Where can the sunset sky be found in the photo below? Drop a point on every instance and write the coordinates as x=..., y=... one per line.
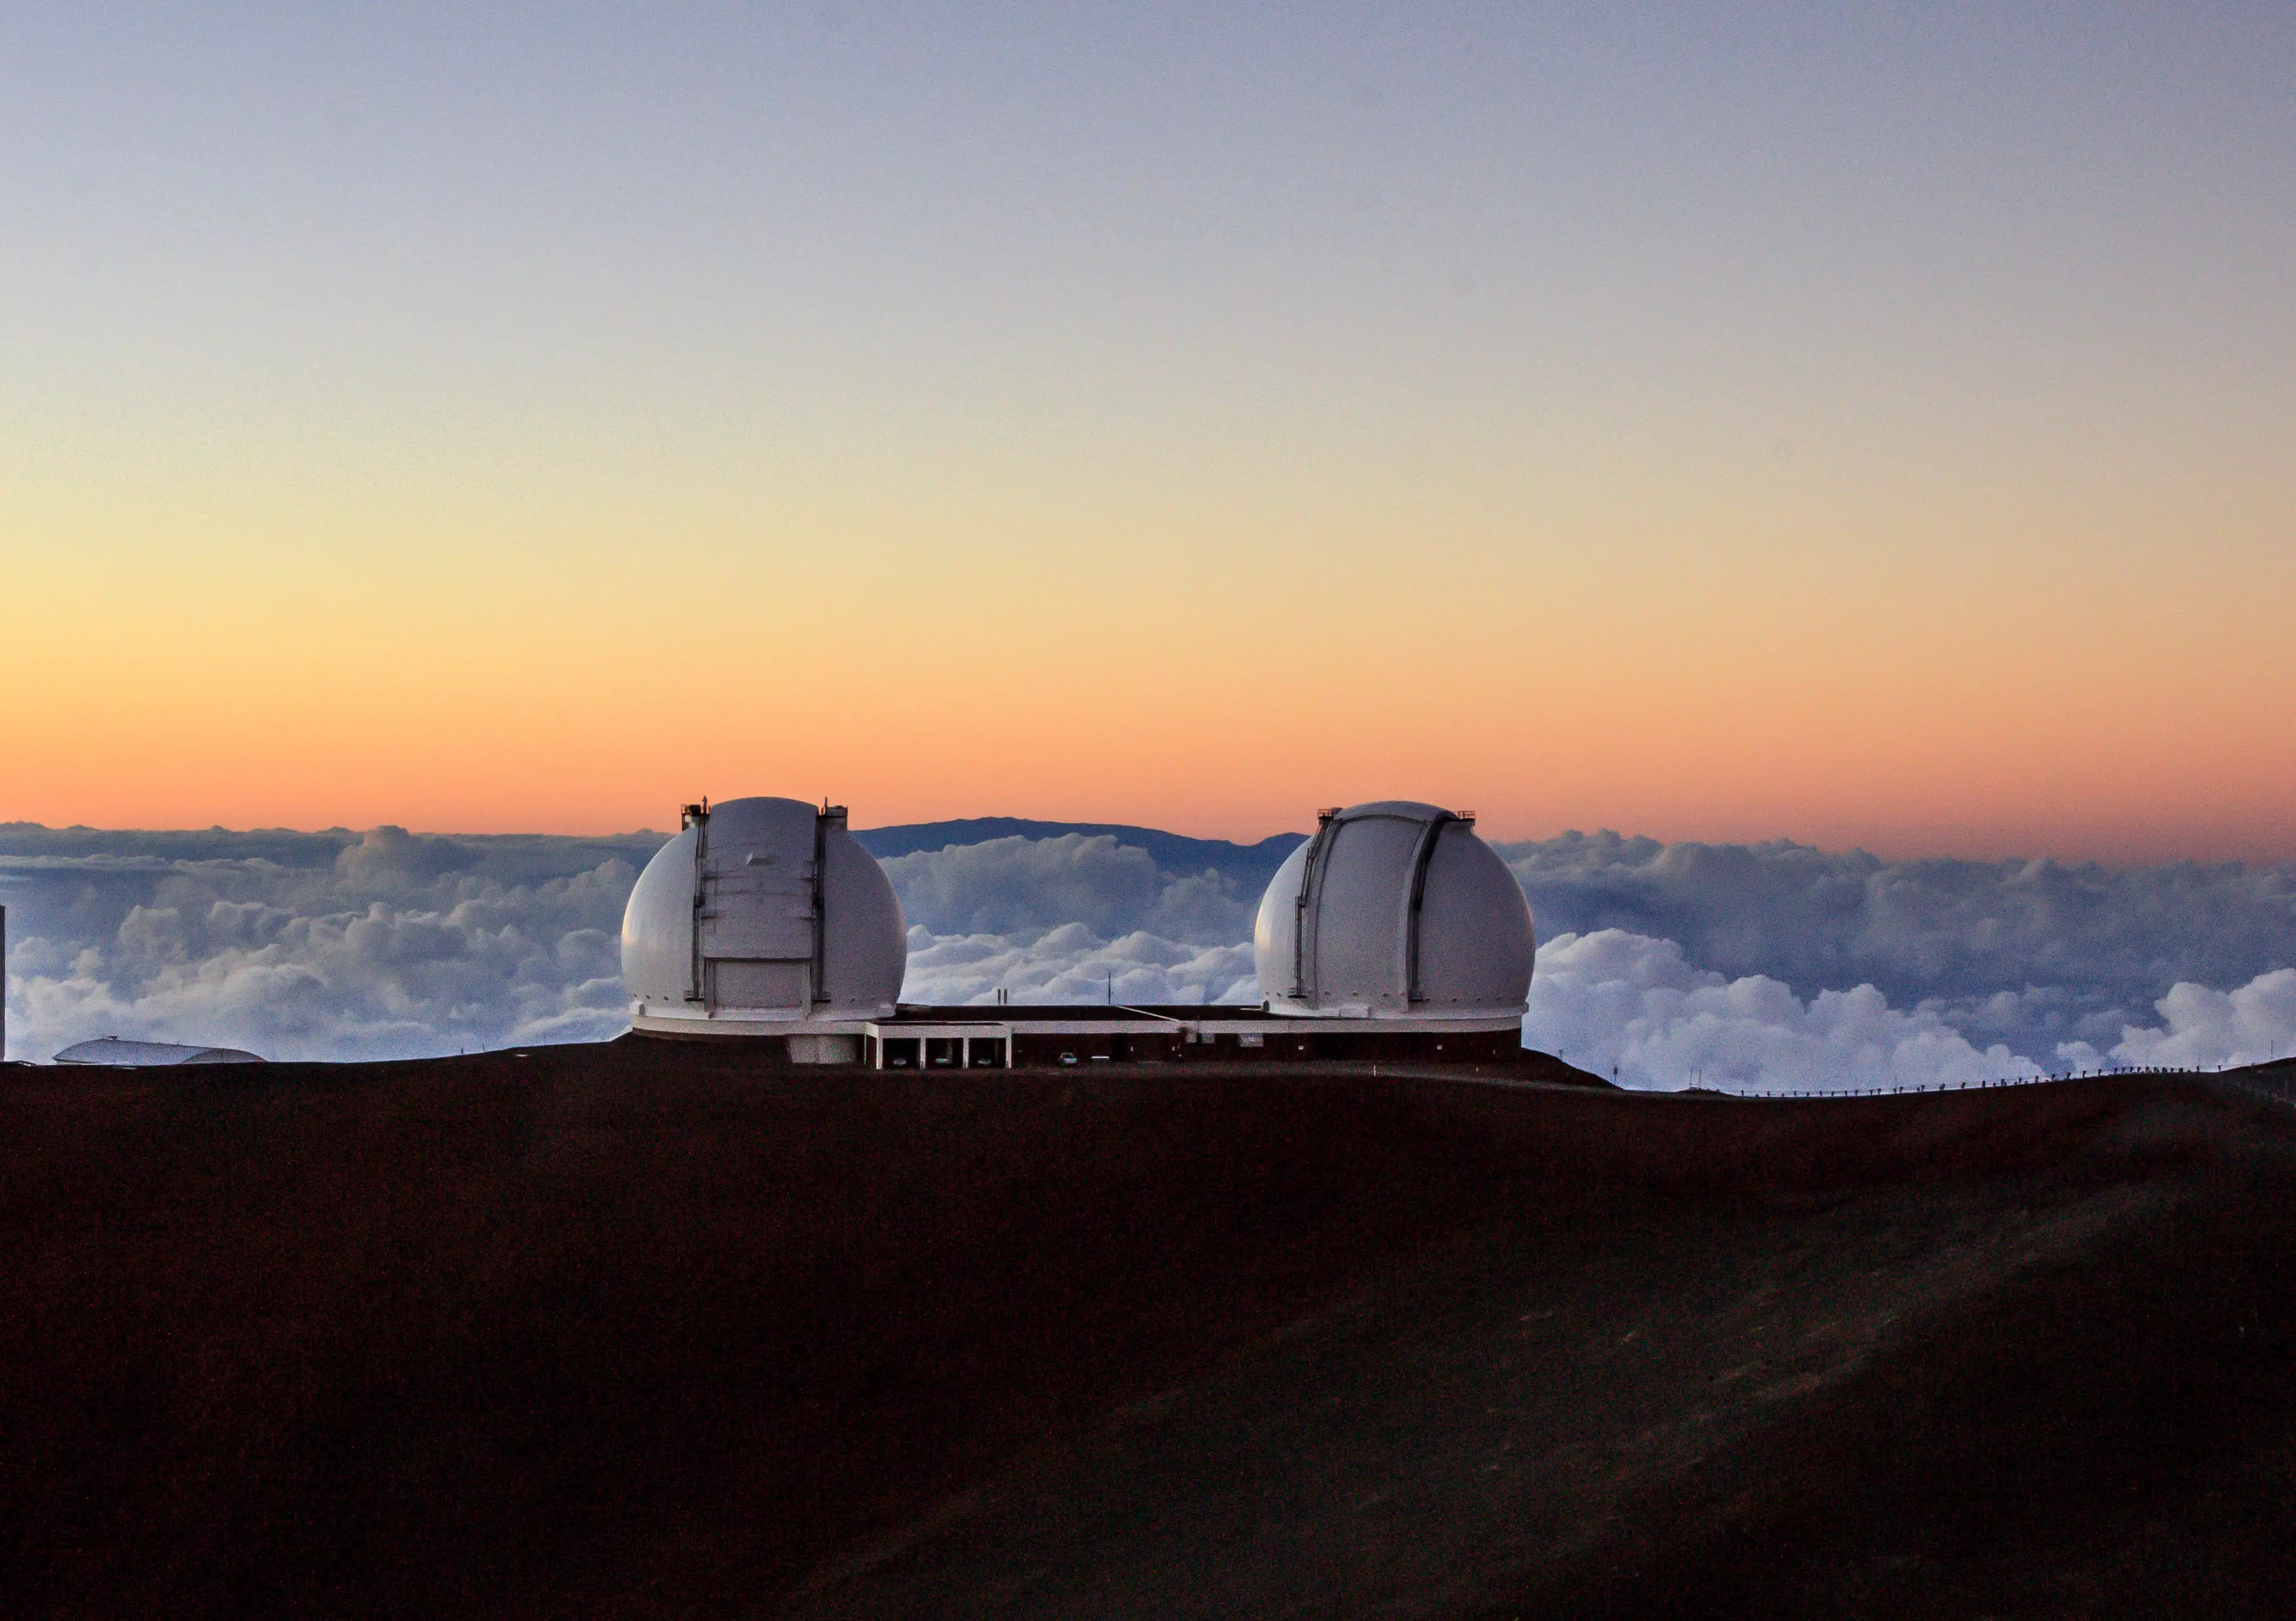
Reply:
x=1861, y=426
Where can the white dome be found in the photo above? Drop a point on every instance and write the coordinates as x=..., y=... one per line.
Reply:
x=761, y=916
x=1394, y=910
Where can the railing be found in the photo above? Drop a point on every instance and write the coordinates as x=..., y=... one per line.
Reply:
x=2280, y=1088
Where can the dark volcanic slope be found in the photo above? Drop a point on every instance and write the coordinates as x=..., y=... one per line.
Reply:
x=634, y=1330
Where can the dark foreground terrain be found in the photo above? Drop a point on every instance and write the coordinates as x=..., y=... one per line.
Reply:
x=634, y=1331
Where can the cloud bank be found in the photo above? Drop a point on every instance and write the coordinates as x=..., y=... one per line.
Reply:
x=2036, y=964
x=1760, y=966
x=2253, y=1024
x=1633, y=1008
x=1072, y=964
x=2081, y=946
x=325, y=946
x=1008, y=886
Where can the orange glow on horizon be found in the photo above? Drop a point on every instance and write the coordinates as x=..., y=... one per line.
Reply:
x=958, y=420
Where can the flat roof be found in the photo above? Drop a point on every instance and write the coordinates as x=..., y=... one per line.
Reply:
x=1083, y=1012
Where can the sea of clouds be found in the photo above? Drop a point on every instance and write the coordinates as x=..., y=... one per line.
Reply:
x=1769, y=966
x=1781, y=966
x=335, y=944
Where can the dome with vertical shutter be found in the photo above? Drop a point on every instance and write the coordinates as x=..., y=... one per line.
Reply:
x=761, y=912
x=1394, y=910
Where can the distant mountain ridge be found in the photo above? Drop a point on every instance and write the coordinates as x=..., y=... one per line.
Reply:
x=1245, y=863
x=1176, y=853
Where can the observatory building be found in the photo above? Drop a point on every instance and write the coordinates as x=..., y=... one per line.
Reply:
x=1395, y=911
x=763, y=917
x=1394, y=933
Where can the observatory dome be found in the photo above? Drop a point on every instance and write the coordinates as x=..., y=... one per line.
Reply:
x=112, y=1049
x=764, y=917
x=1394, y=910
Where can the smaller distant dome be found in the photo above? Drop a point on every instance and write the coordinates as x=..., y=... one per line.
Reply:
x=760, y=915
x=112, y=1049
x=1394, y=910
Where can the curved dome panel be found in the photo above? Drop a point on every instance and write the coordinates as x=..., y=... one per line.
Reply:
x=762, y=912
x=868, y=947
x=1476, y=943
x=1394, y=910
x=658, y=926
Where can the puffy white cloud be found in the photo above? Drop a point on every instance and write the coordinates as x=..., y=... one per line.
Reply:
x=375, y=945
x=2205, y=1028
x=1014, y=885
x=2041, y=957
x=1071, y=964
x=1613, y=1001
x=392, y=944
x=2033, y=953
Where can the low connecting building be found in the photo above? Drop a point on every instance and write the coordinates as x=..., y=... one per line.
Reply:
x=1395, y=932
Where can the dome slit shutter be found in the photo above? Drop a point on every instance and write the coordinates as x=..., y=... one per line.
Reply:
x=701, y=817
x=1307, y=909
x=1421, y=859
x=820, y=877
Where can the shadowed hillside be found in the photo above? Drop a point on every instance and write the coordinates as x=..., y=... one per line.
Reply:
x=636, y=1330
